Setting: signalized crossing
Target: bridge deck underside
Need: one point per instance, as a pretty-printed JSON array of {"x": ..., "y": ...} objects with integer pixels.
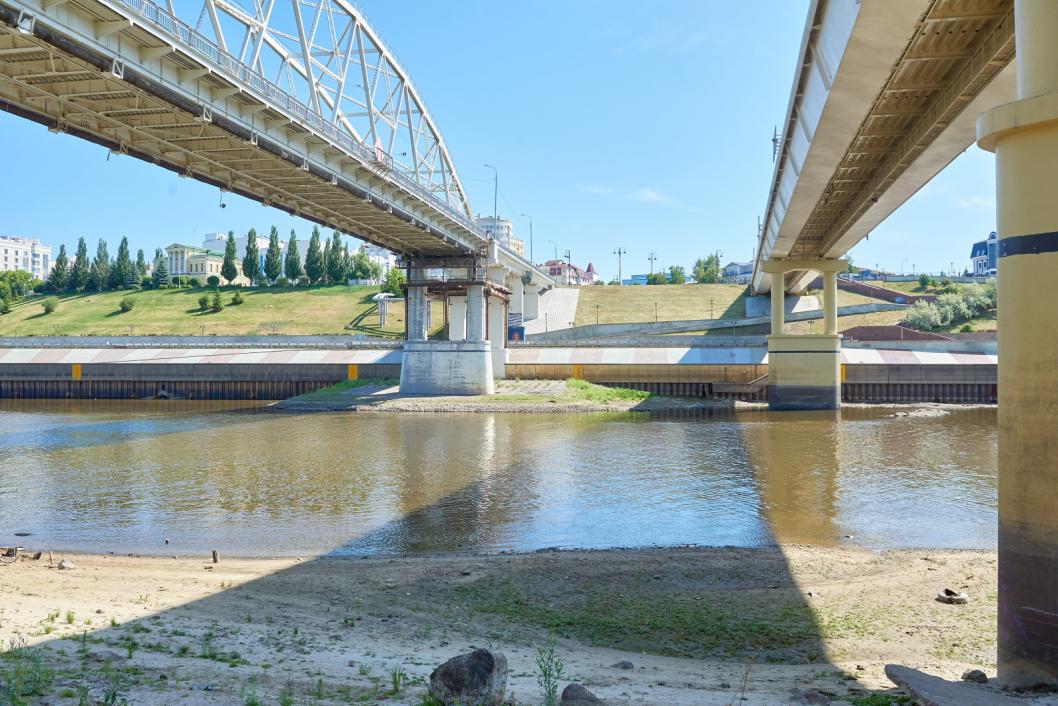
[
  {"x": 73, "y": 88},
  {"x": 956, "y": 51}
]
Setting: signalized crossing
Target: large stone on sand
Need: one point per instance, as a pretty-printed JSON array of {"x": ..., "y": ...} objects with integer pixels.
[
  {"x": 478, "y": 678},
  {"x": 578, "y": 695}
]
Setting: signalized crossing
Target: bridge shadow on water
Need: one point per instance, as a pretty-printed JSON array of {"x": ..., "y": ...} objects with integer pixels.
[{"x": 411, "y": 589}]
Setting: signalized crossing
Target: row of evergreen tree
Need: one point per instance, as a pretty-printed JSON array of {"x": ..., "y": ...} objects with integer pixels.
[{"x": 329, "y": 263}]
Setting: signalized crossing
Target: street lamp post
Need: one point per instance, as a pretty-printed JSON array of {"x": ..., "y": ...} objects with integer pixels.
[
  {"x": 569, "y": 268},
  {"x": 653, "y": 258},
  {"x": 619, "y": 252},
  {"x": 526, "y": 215},
  {"x": 495, "y": 190},
  {"x": 555, "y": 246}
]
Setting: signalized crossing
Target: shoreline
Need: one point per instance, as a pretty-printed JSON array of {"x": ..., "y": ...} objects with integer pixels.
[{"x": 692, "y": 620}]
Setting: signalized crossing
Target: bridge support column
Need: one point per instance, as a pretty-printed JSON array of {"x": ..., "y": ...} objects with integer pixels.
[
  {"x": 516, "y": 306},
  {"x": 1024, "y": 137},
  {"x": 457, "y": 318},
  {"x": 416, "y": 314},
  {"x": 476, "y": 313},
  {"x": 804, "y": 372},
  {"x": 497, "y": 332},
  {"x": 531, "y": 303}
]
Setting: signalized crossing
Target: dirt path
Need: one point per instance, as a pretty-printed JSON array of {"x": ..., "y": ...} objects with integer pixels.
[{"x": 693, "y": 622}]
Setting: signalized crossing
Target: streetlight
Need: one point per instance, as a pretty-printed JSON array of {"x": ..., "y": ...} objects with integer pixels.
[
  {"x": 653, "y": 258},
  {"x": 526, "y": 215},
  {"x": 902, "y": 264},
  {"x": 619, "y": 252},
  {"x": 495, "y": 190},
  {"x": 569, "y": 268},
  {"x": 555, "y": 245}
]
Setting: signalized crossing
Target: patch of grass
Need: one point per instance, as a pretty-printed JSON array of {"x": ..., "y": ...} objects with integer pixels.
[
  {"x": 267, "y": 310},
  {"x": 649, "y": 618},
  {"x": 327, "y": 392},
  {"x": 590, "y": 392},
  {"x": 625, "y": 304},
  {"x": 880, "y": 700}
]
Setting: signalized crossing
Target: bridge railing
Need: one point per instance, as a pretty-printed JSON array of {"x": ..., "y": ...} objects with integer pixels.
[{"x": 235, "y": 70}]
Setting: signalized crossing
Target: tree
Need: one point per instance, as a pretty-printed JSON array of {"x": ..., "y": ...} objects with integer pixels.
[
  {"x": 923, "y": 280},
  {"x": 81, "y": 270},
  {"x": 228, "y": 269},
  {"x": 326, "y": 261},
  {"x": 347, "y": 264},
  {"x": 49, "y": 305},
  {"x": 360, "y": 266},
  {"x": 122, "y": 270},
  {"x": 273, "y": 265},
  {"x": 657, "y": 278},
  {"x": 101, "y": 267},
  {"x": 215, "y": 304},
  {"x": 315, "y": 267},
  {"x": 394, "y": 280},
  {"x": 292, "y": 266},
  {"x": 251, "y": 261},
  {"x": 59, "y": 272},
  {"x": 677, "y": 275},
  {"x": 161, "y": 272},
  {"x": 141, "y": 265},
  {"x": 707, "y": 271},
  {"x": 335, "y": 260}
]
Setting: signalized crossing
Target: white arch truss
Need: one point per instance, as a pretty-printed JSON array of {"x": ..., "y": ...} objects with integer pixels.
[{"x": 324, "y": 54}]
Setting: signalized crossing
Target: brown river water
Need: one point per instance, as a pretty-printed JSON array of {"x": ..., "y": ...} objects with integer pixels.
[{"x": 246, "y": 480}]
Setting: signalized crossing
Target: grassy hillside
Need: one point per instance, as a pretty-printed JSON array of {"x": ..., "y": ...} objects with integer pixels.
[
  {"x": 285, "y": 310},
  {"x": 613, "y": 304}
]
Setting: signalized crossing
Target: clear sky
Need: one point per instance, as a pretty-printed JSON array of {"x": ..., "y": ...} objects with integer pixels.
[{"x": 644, "y": 126}]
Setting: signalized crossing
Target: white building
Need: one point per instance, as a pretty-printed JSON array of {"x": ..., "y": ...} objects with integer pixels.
[
  {"x": 502, "y": 231},
  {"x": 380, "y": 256},
  {"x": 25, "y": 254}
]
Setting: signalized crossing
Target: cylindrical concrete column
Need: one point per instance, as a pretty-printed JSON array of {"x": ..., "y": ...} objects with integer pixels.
[
  {"x": 830, "y": 303},
  {"x": 517, "y": 295},
  {"x": 476, "y": 313},
  {"x": 1024, "y": 137},
  {"x": 497, "y": 323},
  {"x": 778, "y": 297},
  {"x": 531, "y": 303},
  {"x": 457, "y": 318},
  {"x": 416, "y": 313}
]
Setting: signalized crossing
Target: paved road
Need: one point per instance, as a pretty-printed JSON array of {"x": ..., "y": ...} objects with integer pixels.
[{"x": 558, "y": 309}]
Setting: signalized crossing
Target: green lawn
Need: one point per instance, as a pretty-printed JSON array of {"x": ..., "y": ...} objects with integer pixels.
[
  {"x": 613, "y": 304},
  {"x": 266, "y": 310}
]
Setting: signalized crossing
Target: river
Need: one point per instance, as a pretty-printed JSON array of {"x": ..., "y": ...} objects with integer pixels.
[{"x": 238, "y": 477}]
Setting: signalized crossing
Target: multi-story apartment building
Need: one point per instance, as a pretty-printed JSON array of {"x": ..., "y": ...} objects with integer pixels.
[{"x": 25, "y": 254}]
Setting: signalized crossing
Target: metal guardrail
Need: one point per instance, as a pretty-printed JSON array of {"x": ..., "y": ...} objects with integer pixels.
[{"x": 240, "y": 73}]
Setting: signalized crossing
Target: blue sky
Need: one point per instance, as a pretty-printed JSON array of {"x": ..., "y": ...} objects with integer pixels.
[{"x": 645, "y": 126}]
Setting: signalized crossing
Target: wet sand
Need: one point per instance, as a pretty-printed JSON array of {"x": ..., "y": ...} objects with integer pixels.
[{"x": 695, "y": 623}]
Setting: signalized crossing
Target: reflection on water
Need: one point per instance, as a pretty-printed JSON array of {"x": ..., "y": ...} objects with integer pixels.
[{"x": 123, "y": 477}]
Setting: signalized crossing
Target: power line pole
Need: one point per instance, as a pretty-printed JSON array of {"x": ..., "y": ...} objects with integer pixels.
[
  {"x": 619, "y": 252},
  {"x": 569, "y": 268},
  {"x": 495, "y": 190},
  {"x": 526, "y": 215}
]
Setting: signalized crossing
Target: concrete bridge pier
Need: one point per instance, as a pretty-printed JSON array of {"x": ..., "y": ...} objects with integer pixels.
[
  {"x": 531, "y": 302},
  {"x": 804, "y": 372},
  {"x": 1024, "y": 136},
  {"x": 463, "y": 364}
]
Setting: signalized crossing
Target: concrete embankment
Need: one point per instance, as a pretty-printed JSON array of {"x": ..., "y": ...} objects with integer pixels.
[{"x": 200, "y": 370}]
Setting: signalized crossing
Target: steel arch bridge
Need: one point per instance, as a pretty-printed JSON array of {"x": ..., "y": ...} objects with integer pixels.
[{"x": 297, "y": 104}]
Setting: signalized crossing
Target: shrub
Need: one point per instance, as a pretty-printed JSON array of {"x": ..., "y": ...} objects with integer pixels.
[
  {"x": 126, "y": 304},
  {"x": 303, "y": 281},
  {"x": 282, "y": 282},
  {"x": 923, "y": 280},
  {"x": 5, "y": 306},
  {"x": 966, "y": 328},
  {"x": 203, "y": 303},
  {"x": 213, "y": 281},
  {"x": 215, "y": 303},
  {"x": 237, "y": 299},
  {"x": 147, "y": 282},
  {"x": 50, "y": 304},
  {"x": 195, "y": 282}
]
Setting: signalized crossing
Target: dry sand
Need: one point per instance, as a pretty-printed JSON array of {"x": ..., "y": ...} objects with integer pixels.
[{"x": 694, "y": 622}]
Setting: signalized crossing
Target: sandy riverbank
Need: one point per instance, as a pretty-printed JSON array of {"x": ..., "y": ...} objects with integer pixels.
[
  {"x": 525, "y": 396},
  {"x": 694, "y": 622}
]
